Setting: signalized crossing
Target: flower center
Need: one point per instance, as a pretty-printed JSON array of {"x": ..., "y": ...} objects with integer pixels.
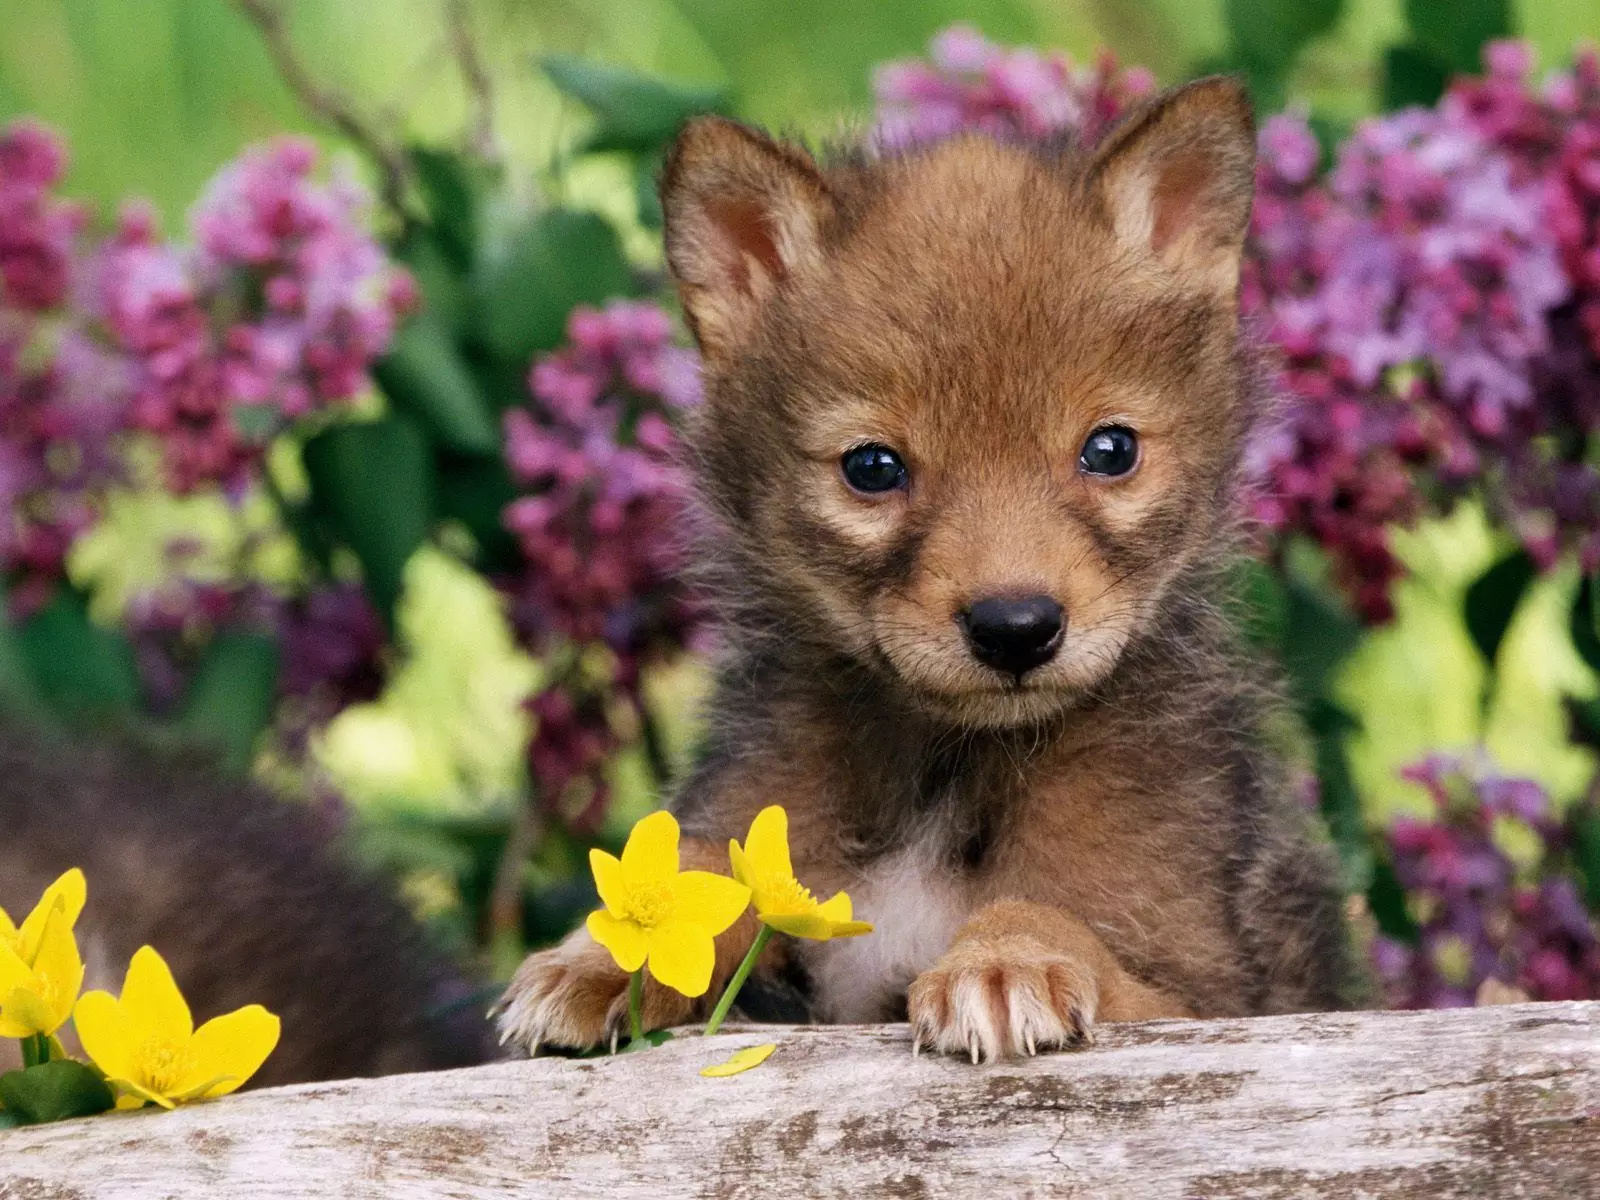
[
  {"x": 784, "y": 894},
  {"x": 649, "y": 905},
  {"x": 162, "y": 1063}
]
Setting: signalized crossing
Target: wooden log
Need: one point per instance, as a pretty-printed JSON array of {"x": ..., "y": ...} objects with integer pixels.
[{"x": 1481, "y": 1103}]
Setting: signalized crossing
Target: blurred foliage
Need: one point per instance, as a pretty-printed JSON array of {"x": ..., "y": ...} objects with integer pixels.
[{"x": 556, "y": 210}]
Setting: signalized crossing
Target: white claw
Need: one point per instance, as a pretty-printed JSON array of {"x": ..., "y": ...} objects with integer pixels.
[
  {"x": 974, "y": 1047},
  {"x": 916, "y": 1047},
  {"x": 614, "y": 1034},
  {"x": 1032, "y": 1049},
  {"x": 533, "y": 1048}
]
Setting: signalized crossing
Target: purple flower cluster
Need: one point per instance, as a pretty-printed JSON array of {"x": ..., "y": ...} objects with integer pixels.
[
  {"x": 277, "y": 310},
  {"x": 597, "y": 452},
  {"x": 334, "y": 650},
  {"x": 971, "y": 83},
  {"x": 37, "y": 229},
  {"x": 60, "y": 395},
  {"x": 1428, "y": 300},
  {"x": 1481, "y": 913}
]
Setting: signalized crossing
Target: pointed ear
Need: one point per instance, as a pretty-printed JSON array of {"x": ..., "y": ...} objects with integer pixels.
[
  {"x": 1177, "y": 178},
  {"x": 743, "y": 213}
]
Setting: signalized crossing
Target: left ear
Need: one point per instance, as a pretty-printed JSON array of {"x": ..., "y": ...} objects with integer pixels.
[{"x": 1176, "y": 180}]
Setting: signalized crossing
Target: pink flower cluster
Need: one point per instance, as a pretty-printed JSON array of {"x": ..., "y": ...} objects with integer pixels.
[
  {"x": 1428, "y": 301},
  {"x": 971, "y": 83},
  {"x": 59, "y": 392},
  {"x": 1479, "y": 917},
  {"x": 37, "y": 229},
  {"x": 601, "y": 524},
  {"x": 277, "y": 309}
]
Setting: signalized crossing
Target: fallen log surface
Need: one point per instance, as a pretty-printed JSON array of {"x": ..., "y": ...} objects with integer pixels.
[{"x": 1478, "y": 1103}]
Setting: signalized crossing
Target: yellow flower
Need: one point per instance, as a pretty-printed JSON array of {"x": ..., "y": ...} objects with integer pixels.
[
  {"x": 740, "y": 1061},
  {"x": 66, "y": 893},
  {"x": 762, "y": 864},
  {"x": 36, "y": 994},
  {"x": 655, "y": 913},
  {"x": 147, "y": 1044}
]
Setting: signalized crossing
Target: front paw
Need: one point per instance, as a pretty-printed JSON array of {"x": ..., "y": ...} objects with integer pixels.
[
  {"x": 575, "y": 995},
  {"x": 1001, "y": 998}
]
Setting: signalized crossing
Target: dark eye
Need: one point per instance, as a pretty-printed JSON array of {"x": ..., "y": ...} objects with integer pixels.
[
  {"x": 873, "y": 469},
  {"x": 1113, "y": 450}
]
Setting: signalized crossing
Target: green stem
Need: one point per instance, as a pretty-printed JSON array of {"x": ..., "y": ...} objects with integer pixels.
[
  {"x": 35, "y": 1050},
  {"x": 636, "y": 1005},
  {"x": 737, "y": 982}
]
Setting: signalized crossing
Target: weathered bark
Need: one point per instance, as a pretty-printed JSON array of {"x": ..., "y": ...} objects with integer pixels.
[{"x": 1481, "y": 1103}]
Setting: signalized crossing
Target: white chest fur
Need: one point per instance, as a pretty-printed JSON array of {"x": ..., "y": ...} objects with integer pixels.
[{"x": 917, "y": 903}]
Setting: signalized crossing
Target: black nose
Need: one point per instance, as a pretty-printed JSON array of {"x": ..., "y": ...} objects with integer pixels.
[{"x": 1014, "y": 635}]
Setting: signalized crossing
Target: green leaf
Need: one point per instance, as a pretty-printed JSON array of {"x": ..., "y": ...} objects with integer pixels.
[
  {"x": 1412, "y": 75},
  {"x": 232, "y": 697},
  {"x": 1269, "y": 34},
  {"x": 1584, "y": 623},
  {"x": 450, "y": 188},
  {"x": 1493, "y": 598},
  {"x": 424, "y": 375},
  {"x": 373, "y": 485},
  {"x": 634, "y": 112},
  {"x": 441, "y": 280},
  {"x": 1340, "y": 803},
  {"x": 1454, "y": 31},
  {"x": 1584, "y": 825},
  {"x": 646, "y": 171},
  {"x": 79, "y": 668},
  {"x": 1318, "y": 637},
  {"x": 9, "y": 1119},
  {"x": 1387, "y": 901},
  {"x": 1258, "y": 605},
  {"x": 476, "y": 492},
  {"x": 549, "y": 264},
  {"x": 55, "y": 1091}
]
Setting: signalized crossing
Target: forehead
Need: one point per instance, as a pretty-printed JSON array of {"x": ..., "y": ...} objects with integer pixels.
[{"x": 976, "y": 278}]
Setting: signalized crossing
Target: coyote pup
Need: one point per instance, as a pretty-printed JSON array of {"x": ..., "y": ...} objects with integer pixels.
[{"x": 970, "y": 447}]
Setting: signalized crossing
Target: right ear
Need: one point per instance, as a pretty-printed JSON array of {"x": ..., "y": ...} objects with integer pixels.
[{"x": 743, "y": 212}]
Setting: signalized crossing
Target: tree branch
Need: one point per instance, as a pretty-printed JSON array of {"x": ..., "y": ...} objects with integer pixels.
[
  {"x": 329, "y": 104},
  {"x": 476, "y": 76}
]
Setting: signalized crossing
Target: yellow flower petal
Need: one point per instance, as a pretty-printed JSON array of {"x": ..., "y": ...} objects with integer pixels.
[
  {"x": 740, "y": 1060},
  {"x": 837, "y": 907},
  {"x": 651, "y": 855},
  {"x": 24, "y": 1013},
  {"x": 67, "y": 895},
  {"x": 743, "y": 870},
  {"x": 681, "y": 956},
  {"x": 607, "y": 871},
  {"x": 800, "y": 925},
  {"x": 852, "y": 928},
  {"x": 14, "y": 973},
  {"x": 58, "y": 968},
  {"x": 10, "y": 935},
  {"x": 104, "y": 1033},
  {"x": 838, "y": 912},
  {"x": 231, "y": 1048},
  {"x": 624, "y": 939},
  {"x": 152, "y": 1001},
  {"x": 139, "y": 1092},
  {"x": 710, "y": 900},
  {"x": 767, "y": 845}
]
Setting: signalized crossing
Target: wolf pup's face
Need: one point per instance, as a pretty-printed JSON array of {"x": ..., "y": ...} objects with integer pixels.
[{"x": 971, "y": 409}]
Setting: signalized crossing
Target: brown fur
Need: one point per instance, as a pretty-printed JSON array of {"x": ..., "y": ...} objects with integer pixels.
[
  {"x": 247, "y": 899},
  {"x": 1110, "y": 837}
]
